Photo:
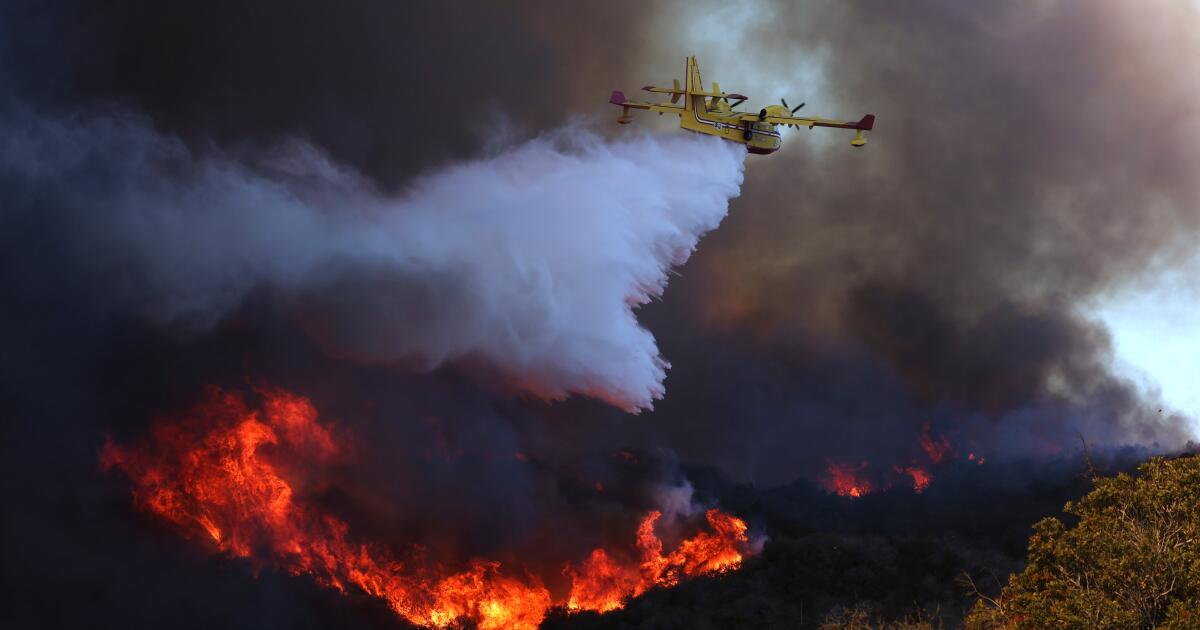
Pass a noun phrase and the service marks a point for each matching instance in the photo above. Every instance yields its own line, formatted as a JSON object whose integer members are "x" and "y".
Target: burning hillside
{"x": 858, "y": 480}
{"x": 242, "y": 479}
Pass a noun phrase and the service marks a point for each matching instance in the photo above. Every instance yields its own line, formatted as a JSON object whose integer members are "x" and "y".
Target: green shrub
{"x": 1132, "y": 561}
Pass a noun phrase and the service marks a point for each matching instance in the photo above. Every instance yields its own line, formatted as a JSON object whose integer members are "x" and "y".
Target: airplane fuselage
{"x": 759, "y": 137}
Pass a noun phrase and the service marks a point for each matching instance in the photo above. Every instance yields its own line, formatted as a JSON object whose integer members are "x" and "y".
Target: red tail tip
{"x": 867, "y": 123}
{"x": 617, "y": 98}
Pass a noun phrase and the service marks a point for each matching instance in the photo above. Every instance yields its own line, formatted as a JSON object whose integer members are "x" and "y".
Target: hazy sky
{"x": 1155, "y": 323}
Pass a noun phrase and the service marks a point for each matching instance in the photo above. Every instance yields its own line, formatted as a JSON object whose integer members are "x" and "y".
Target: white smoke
{"x": 530, "y": 262}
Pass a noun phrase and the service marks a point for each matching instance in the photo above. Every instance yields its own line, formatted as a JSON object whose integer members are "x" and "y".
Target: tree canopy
{"x": 1131, "y": 560}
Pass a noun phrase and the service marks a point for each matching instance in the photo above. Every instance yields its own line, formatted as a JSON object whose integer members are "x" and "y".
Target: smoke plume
{"x": 529, "y": 262}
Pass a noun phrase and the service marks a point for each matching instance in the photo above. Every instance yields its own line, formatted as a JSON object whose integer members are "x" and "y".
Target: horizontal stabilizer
{"x": 676, "y": 90}
{"x": 662, "y": 90}
{"x": 736, "y": 97}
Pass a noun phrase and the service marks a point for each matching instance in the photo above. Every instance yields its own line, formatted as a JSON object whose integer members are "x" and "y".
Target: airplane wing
{"x": 866, "y": 123}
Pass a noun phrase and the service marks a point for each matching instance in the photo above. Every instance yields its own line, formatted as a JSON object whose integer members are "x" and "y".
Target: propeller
{"x": 794, "y": 109}
{"x": 738, "y": 99}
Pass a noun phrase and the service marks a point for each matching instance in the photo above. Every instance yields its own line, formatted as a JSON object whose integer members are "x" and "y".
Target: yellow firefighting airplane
{"x": 712, "y": 113}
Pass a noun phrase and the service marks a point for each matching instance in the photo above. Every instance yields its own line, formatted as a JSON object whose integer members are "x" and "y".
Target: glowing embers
{"x": 848, "y": 480}
{"x": 921, "y": 478}
{"x": 858, "y": 480}
{"x": 236, "y": 477}
{"x": 935, "y": 448}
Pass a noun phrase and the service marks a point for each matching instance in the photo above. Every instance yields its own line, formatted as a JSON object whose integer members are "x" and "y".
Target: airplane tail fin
{"x": 693, "y": 82}
{"x": 866, "y": 124}
{"x": 618, "y": 98}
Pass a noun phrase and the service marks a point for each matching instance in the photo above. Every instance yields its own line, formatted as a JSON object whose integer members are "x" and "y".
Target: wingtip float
{"x": 712, "y": 113}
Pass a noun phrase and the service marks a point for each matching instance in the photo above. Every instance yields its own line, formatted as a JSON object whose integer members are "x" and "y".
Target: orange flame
{"x": 602, "y": 584}
{"x": 846, "y": 480}
{"x": 921, "y": 478}
{"x": 219, "y": 473}
{"x": 936, "y": 449}
{"x": 849, "y": 480}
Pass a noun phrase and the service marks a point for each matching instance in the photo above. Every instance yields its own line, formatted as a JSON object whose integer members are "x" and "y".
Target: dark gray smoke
{"x": 1025, "y": 161}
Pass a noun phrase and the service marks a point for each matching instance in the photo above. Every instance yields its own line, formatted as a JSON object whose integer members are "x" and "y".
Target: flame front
{"x": 920, "y": 477}
{"x": 602, "y": 584}
{"x": 935, "y": 448}
{"x": 219, "y": 473}
{"x": 854, "y": 480}
{"x": 847, "y": 480}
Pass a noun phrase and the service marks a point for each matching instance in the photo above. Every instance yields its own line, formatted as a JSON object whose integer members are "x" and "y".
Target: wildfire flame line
{"x": 937, "y": 448}
{"x": 852, "y": 480}
{"x": 846, "y": 480}
{"x": 216, "y": 473}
